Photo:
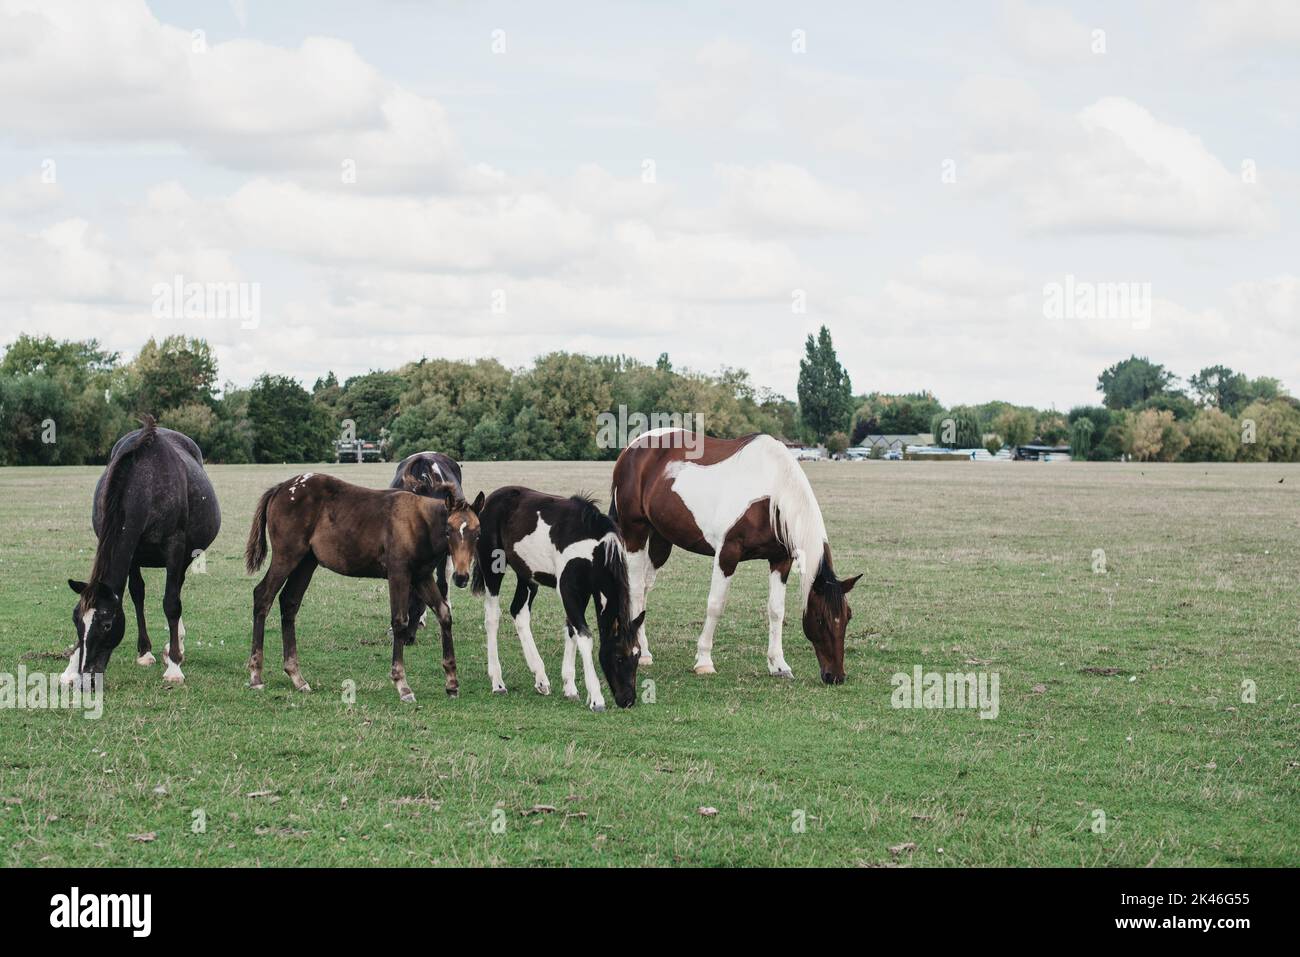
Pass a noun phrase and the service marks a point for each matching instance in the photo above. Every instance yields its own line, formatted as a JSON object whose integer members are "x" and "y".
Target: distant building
{"x": 1042, "y": 453}
{"x": 888, "y": 443}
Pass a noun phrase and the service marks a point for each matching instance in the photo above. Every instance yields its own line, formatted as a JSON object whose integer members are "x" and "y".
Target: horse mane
{"x": 596, "y": 524}
{"x": 593, "y": 522}
{"x": 796, "y": 519}
{"x": 112, "y": 504}
{"x": 828, "y": 586}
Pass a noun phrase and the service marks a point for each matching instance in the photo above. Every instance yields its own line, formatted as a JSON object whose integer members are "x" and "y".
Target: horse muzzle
{"x": 460, "y": 579}
{"x": 831, "y": 679}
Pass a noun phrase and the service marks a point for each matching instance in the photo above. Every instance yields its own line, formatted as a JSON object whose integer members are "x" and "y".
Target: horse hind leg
{"x": 177, "y": 562}
{"x": 521, "y": 609}
{"x": 143, "y": 647}
{"x": 290, "y": 601}
{"x": 282, "y": 565}
{"x": 491, "y": 623}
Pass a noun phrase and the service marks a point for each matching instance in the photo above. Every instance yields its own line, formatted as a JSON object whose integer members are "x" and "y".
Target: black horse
{"x": 570, "y": 545}
{"x": 154, "y": 507}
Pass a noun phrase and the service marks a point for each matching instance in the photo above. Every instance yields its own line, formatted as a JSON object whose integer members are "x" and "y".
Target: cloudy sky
{"x": 476, "y": 178}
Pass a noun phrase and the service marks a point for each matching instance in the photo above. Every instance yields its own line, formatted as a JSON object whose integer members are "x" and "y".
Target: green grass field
{"x": 983, "y": 567}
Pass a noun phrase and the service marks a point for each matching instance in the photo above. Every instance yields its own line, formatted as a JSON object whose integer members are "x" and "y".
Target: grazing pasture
{"x": 1120, "y": 693}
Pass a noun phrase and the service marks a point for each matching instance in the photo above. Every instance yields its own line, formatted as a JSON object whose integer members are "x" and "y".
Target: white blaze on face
{"x": 70, "y": 673}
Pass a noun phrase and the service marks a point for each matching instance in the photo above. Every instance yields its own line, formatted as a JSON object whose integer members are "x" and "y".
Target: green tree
{"x": 1081, "y": 437}
{"x": 1016, "y": 426}
{"x": 1270, "y": 432}
{"x": 371, "y": 401}
{"x": 958, "y": 428}
{"x": 1212, "y": 436}
{"x": 1133, "y": 381}
{"x": 1220, "y": 388}
{"x": 825, "y": 393}
{"x": 287, "y": 425}
{"x": 166, "y": 375}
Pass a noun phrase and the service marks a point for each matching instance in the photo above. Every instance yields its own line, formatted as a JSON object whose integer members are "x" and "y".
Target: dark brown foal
{"x": 316, "y": 519}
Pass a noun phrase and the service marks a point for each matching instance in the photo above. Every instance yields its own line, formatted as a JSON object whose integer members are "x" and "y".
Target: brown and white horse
{"x": 736, "y": 500}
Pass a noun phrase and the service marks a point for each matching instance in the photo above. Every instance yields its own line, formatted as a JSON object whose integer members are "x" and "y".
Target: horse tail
{"x": 488, "y": 543}
{"x": 613, "y": 503}
{"x": 255, "y": 550}
{"x": 476, "y": 585}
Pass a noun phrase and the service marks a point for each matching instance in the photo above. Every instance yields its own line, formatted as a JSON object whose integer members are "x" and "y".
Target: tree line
{"x": 67, "y": 402}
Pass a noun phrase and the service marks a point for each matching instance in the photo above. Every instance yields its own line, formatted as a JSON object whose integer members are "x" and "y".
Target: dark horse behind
{"x": 154, "y": 507}
{"x": 437, "y": 476}
{"x": 316, "y": 519}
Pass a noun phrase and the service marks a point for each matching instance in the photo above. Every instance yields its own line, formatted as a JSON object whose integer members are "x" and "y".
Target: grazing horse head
{"x": 100, "y": 625}
{"x": 619, "y": 656}
{"x": 462, "y": 533}
{"x": 619, "y": 652}
{"x": 826, "y": 619}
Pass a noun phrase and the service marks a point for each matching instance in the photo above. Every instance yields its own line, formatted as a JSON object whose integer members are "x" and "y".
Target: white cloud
{"x": 1248, "y": 25}
{"x": 1112, "y": 167}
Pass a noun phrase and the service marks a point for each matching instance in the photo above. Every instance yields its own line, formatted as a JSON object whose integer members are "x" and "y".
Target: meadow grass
{"x": 968, "y": 567}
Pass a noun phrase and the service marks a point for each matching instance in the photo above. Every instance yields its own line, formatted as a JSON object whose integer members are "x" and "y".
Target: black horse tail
{"x": 255, "y": 550}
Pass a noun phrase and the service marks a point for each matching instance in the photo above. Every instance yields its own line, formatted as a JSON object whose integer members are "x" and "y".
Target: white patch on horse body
{"x": 298, "y": 483}
{"x": 433, "y": 465}
{"x": 540, "y": 554}
{"x": 718, "y": 495}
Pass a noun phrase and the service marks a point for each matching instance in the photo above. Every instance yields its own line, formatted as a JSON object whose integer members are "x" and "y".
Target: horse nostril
{"x": 460, "y": 580}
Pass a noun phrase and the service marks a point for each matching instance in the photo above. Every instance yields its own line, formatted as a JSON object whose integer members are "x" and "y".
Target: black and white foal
{"x": 570, "y": 545}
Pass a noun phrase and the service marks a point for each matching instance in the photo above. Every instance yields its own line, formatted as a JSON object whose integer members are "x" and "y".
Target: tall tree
{"x": 1220, "y": 388}
{"x": 287, "y": 425}
{"x": 825, "y": 393}
{"x": 1132, "y": 382}
{"x": 168, "y": 374}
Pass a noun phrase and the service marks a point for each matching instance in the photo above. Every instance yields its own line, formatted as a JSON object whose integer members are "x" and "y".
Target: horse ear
{"x": 848, "y": 583}
{"x": 478, "y": 503}
{"x": 76, "y": 586}
{"x": 637, "y": 622}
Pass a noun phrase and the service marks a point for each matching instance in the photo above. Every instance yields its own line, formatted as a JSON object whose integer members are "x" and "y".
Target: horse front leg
{"x": 718, "y": 589}
{"x": 399, "y": 605}
{"x": 434, "y": 598}
{"x": 780, "y": 574}
{"x": 143, "y": 647}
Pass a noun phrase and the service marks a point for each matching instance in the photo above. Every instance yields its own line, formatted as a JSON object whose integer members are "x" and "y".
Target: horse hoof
{"x": 501, "y": 690}
{"x": 570, "y": 696}
{"x": 542, "y": 689}
{"x": 783, "y": 673}
{"x": 705, "y": 670}
{"x": 597, "y": 708}
{"x": 453, "y": 692}
{"x": 256, "y": 687}
{"x": 409, "y": 697}
{"x": 146, "y": 659}
{"x": 174, "y": 679}
{"x": 305, "y": 688}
